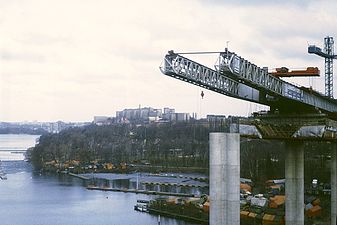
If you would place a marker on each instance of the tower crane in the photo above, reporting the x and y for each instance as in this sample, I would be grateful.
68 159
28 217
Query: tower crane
328 55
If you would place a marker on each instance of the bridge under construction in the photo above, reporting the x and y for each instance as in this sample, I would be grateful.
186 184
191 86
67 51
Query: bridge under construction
297 114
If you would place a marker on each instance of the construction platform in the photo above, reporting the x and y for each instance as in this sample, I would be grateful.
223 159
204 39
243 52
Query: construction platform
295 127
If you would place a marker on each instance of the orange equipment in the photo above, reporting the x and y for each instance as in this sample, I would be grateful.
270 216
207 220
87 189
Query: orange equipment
276 201
285 72
314 211
245 187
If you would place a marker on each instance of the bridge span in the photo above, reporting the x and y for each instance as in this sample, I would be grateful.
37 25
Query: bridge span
297 114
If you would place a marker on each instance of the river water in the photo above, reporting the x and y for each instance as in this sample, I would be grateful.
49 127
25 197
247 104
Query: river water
12 146
31 198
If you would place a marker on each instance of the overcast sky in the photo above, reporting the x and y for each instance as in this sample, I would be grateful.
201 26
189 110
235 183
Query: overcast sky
73 59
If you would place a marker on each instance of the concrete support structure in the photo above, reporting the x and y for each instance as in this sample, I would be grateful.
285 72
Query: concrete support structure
333 184
224 178
294 174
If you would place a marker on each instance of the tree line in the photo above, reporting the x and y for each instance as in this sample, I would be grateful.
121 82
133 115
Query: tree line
171 145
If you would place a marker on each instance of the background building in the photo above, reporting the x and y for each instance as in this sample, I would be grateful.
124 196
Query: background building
149 114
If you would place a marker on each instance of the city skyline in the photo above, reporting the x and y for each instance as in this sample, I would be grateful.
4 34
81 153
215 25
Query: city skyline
114 115
72 60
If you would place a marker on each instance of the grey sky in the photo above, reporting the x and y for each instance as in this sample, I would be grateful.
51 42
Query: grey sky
73 59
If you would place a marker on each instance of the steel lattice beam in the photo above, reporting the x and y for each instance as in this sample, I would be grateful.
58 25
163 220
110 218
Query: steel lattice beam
239 69
238 78
187 70
328 48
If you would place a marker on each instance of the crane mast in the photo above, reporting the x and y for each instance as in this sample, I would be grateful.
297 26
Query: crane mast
328 47
328 55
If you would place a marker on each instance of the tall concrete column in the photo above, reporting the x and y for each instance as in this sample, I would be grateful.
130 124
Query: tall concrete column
224 178
333 184
294 174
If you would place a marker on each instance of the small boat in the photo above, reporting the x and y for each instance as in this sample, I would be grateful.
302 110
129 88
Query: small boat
141 207
3 176
2 173
143 201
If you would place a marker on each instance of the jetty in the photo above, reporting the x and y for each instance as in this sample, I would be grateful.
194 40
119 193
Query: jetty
76 175
177 216
137 191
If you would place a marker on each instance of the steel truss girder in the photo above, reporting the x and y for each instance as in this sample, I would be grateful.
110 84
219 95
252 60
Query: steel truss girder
238 78
187 70
239 69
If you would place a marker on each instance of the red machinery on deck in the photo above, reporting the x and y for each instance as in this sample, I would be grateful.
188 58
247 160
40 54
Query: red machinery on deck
285 72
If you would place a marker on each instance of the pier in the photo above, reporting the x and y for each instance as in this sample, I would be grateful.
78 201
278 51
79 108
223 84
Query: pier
77 175
177 216
140 191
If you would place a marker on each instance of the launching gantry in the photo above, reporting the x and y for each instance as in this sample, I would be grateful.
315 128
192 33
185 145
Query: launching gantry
236 77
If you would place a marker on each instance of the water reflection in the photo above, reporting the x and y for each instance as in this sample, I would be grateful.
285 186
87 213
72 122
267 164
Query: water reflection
33 198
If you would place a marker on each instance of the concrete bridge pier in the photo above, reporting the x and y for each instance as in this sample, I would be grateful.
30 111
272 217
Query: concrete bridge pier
224 178
294 175
333 185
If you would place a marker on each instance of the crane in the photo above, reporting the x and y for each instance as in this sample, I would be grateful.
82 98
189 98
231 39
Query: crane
236 77
328 55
